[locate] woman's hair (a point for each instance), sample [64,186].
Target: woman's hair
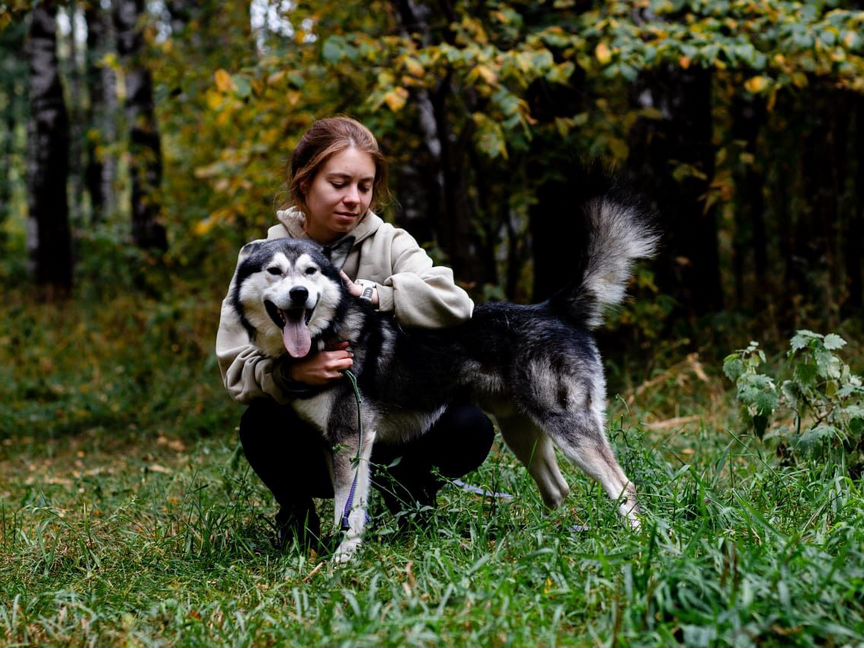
[323,140]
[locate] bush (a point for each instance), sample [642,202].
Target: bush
[817,413]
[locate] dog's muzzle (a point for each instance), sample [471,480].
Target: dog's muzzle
[294,322]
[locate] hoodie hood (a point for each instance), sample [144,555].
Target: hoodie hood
[292,222]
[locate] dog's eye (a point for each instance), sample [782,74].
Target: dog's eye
[275,270]
[310,270]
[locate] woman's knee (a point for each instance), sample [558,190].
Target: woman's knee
[461,440]
[285,452]
[258,416]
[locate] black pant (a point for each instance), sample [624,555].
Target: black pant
[289,455]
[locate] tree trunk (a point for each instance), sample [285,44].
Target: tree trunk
[145,152]
[449,149]
[455,222]
[49,238]
[77,124]
[7,136]
[13,92]
[100,170]
[422,203]
[822,170]
[552,234]
[561,185]
[748,119]
[853,240]
[681,145]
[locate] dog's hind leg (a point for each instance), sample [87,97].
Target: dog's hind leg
[583,441]
[351,489]
[534,449]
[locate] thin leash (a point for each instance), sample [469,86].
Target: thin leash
[349,503]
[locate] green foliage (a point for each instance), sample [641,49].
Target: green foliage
[115,362]
[824,398]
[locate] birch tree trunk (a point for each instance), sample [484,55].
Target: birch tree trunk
[49,238]
[101,165]
[13,95]
[145,152]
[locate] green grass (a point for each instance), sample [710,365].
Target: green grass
[132,520]
[136,542]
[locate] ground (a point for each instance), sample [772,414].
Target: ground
[138,538]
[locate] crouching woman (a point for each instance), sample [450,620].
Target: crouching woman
[337,175]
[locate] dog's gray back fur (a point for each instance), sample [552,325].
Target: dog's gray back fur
[536,366]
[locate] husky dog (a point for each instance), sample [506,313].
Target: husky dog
[536,367]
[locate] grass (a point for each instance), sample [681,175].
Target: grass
[127,517]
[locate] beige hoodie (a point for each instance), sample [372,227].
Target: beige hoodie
[409,285]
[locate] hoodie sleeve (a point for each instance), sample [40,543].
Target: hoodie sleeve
[418,292]
[246,372]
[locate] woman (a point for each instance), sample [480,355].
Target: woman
[337,174]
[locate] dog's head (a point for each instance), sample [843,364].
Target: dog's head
[287,291]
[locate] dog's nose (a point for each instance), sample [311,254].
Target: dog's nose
[298,294]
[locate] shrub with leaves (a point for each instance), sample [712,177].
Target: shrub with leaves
[818,412]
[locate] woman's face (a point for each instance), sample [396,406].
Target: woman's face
[339,195]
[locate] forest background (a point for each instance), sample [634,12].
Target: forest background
[144,143]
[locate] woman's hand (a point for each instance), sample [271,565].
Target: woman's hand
[356,289]
[323,367]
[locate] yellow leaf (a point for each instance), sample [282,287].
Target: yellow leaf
[684,62]
[203,227]
[619,148]
[603,53]
[271,136]
[799,80]
[525,61]
[849,39]
[756,84]
[488,75]
[224,82]
[277,77]
[396,98]
[772,100]
[414,68]
[214,100]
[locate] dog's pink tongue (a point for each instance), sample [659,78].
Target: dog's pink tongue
[296,337]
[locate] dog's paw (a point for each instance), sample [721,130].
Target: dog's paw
[631,517]
[346,551]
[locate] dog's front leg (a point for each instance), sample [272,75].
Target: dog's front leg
[351,489]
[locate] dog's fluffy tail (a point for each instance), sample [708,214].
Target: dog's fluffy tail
[617,232]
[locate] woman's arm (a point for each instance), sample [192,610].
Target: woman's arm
[418,292]
[246,372]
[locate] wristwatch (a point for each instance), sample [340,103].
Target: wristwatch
[368,289]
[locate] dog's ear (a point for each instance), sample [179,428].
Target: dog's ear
[339,252]
[250,248]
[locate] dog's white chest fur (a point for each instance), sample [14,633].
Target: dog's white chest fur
[316,410]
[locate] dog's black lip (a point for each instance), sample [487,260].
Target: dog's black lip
[274,313]
[280,316]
